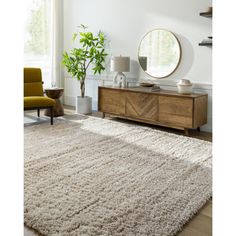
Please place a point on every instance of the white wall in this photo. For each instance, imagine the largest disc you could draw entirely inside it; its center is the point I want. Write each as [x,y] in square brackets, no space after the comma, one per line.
[125,22]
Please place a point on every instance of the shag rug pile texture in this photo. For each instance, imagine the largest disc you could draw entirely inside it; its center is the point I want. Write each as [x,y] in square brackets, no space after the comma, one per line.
[100,177]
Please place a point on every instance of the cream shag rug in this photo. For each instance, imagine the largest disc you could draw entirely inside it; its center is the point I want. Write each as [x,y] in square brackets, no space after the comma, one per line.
[100,177]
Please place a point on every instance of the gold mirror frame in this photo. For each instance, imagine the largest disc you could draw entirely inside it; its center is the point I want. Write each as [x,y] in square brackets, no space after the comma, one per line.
[143,59]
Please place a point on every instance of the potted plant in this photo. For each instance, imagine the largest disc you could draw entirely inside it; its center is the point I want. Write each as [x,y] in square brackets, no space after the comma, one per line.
[78,60]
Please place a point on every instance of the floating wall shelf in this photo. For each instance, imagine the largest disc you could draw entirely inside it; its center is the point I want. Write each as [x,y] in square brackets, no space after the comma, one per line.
[206,14]
[205,44]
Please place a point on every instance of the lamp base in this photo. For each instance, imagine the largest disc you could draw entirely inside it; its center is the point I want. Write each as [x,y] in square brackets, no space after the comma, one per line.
[120,80]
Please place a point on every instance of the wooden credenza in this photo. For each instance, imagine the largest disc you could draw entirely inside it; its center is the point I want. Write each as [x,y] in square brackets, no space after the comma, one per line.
[166,108]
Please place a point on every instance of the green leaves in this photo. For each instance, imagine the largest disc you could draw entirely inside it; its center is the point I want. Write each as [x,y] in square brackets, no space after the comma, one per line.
[91,51]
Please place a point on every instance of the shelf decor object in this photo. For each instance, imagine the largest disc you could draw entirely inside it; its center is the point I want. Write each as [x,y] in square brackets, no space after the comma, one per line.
[207,13]
[120,64]
[206,42]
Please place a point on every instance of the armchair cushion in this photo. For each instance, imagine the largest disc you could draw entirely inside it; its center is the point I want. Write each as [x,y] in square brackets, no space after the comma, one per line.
[33,89]
[33,82]
[38,101]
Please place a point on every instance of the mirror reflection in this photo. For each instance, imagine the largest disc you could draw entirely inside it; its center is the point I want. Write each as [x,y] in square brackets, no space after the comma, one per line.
[159,53]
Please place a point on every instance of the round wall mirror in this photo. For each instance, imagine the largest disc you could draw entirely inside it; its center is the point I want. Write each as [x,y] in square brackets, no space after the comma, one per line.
[159,53]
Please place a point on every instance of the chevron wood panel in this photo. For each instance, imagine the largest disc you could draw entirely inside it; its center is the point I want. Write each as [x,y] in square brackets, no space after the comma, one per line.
[142,105]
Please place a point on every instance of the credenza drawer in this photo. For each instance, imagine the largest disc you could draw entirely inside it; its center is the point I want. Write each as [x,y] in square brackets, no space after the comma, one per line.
[176,106]
[174,110]
[175,120]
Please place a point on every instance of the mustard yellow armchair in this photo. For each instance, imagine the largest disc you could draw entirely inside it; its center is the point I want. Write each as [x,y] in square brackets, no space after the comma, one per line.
[33,92]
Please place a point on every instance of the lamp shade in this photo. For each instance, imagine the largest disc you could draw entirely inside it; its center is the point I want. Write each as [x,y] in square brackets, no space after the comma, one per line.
[120,64]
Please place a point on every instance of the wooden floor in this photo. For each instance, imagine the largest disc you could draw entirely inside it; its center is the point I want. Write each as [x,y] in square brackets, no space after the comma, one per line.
[201,223]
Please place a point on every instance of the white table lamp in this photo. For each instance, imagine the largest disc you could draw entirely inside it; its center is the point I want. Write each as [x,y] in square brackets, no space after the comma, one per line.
[120,64]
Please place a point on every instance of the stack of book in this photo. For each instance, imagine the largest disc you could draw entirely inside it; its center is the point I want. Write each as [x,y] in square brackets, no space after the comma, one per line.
[209,40]
[156,88]
[146,84]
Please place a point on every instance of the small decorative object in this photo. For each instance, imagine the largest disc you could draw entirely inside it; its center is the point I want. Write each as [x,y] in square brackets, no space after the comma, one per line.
[209,9]
[209,40]
[156,88]
[146,83]
[120,64]
[78,60]
[184,86]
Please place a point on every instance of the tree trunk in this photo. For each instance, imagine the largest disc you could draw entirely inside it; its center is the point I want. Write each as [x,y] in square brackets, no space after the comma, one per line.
[82,87]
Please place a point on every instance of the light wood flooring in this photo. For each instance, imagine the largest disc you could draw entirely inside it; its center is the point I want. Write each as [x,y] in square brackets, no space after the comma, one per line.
[201,223]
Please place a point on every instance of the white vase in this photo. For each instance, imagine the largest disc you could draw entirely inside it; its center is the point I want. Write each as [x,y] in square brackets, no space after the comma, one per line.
[83,105]
[185,89]
[184,86]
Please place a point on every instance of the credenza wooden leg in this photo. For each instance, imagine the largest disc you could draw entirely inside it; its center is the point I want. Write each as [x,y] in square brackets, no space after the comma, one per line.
[103,114]
[186,131]
[198,129]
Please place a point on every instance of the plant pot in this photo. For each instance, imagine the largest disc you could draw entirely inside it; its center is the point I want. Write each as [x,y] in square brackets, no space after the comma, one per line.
[84,105]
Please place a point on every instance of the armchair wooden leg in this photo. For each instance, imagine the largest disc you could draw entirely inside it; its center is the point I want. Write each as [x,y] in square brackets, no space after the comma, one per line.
[51,115]
[38,112]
